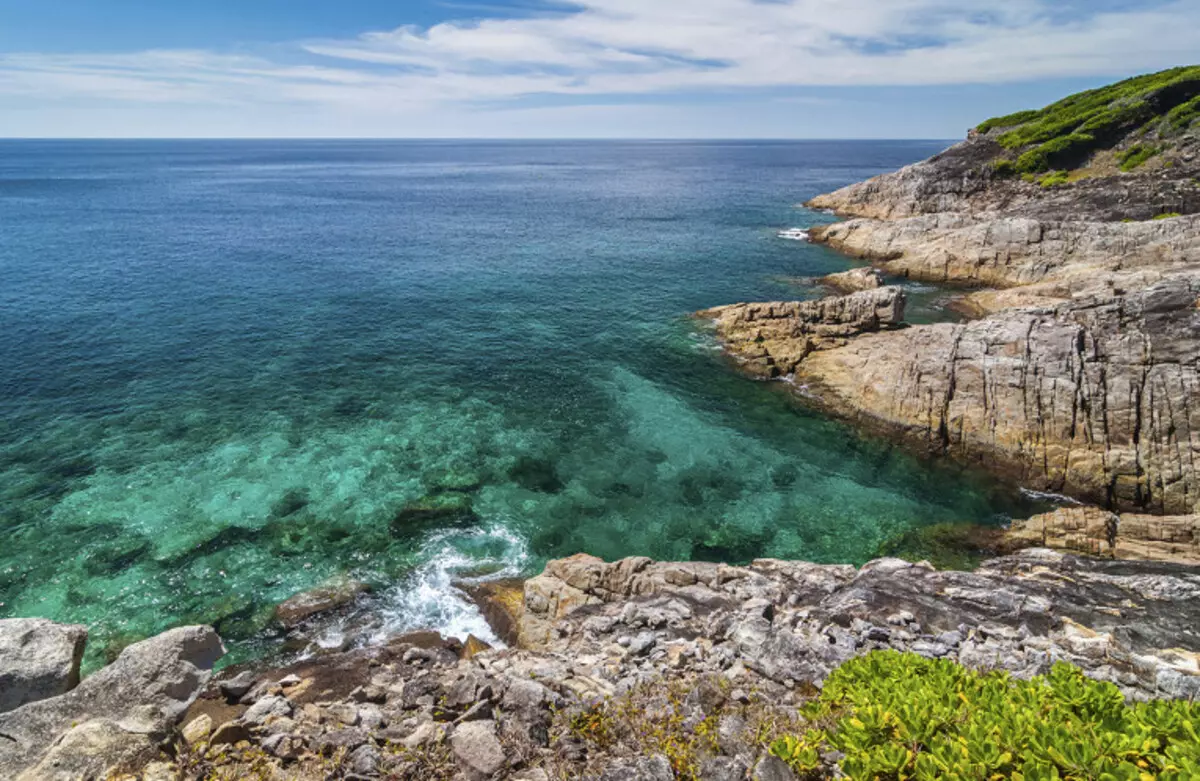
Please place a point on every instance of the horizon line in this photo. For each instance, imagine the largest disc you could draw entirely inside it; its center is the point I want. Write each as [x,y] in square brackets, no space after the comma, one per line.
[668,139]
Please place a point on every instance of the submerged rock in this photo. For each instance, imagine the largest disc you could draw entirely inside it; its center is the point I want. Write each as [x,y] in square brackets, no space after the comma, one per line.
[332,595]
[38,659]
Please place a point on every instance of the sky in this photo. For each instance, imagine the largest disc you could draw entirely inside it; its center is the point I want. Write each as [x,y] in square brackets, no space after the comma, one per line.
[583,69]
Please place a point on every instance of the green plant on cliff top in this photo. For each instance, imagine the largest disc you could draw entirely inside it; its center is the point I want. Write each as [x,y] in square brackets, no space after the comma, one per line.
[900,716]
[1135,155]
[1065,133]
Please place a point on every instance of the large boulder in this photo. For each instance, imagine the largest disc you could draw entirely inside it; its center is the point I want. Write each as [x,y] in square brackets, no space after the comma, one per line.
[38,659]
[112,716]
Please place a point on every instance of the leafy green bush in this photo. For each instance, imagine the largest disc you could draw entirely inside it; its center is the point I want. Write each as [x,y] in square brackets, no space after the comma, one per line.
[1011,120]
[1055,179]
[1135,155]
[1004,167]
[1063,134]
[1182,116]
[899,716]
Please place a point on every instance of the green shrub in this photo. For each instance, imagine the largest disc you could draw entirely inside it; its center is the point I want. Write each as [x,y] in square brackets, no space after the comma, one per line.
[1166,215]
[1003,167]
[1055,179]
[1135,155]
[1011,120]
[1183,115]
[899,716]
[1063,134]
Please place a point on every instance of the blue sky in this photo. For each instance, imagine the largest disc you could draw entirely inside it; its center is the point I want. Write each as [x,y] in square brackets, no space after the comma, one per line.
[591,68]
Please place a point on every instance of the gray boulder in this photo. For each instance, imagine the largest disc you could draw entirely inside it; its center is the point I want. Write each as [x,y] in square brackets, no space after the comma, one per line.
[135,700]
[38,659]
[477,749]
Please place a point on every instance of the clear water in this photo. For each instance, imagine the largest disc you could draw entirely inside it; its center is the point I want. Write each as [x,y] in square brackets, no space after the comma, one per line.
[232,370]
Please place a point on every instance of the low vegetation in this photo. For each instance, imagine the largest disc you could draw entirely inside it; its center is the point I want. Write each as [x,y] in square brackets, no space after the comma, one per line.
[1064,134]
[893,716]
[1135,155]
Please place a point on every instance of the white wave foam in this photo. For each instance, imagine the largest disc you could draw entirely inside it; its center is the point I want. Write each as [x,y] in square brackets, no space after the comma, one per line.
[427,598]
[1045,496]
[793,234]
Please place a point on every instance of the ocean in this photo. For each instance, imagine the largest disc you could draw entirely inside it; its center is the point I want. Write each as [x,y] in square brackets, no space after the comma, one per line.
[231,371]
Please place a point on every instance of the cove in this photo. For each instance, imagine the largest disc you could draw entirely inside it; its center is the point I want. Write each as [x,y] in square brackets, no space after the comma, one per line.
[230,371]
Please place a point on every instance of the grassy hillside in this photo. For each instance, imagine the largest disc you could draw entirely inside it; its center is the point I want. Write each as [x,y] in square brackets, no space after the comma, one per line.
[1140,117]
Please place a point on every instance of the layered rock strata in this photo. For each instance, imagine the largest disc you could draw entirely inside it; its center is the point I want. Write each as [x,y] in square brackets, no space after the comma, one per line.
[772,339]
[1097,532]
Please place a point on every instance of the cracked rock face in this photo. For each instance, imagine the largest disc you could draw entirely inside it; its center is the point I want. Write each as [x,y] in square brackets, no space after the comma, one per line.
[1134,624]
[772,339]
[40,659]
[114,719]
[1097,398]
[1080,374]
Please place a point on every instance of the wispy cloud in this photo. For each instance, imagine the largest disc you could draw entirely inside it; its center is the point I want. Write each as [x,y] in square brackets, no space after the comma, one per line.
[597,49]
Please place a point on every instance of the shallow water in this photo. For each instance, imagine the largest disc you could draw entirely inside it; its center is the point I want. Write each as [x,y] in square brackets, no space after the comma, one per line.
[232,370]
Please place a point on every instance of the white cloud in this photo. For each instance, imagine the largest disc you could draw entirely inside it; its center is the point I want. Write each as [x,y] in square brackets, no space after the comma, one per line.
[606,48]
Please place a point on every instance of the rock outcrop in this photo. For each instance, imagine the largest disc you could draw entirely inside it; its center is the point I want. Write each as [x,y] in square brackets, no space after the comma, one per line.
[1098,398]
[1096,532]
[630,669]
[1081,373]
[793,622]
[773,339]
[38,659]
[115,719]
[854,280]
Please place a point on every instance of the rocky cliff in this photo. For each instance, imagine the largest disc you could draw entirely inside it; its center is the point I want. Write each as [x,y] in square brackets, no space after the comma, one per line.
[628,670]
[1080,373]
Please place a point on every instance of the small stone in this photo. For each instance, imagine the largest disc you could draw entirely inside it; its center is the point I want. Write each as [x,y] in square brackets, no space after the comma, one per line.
[289,680]
[369,693]
[348,739]
[284,746]
[267,706]
[238,686]
[371,717]
[477,748]
[950,638]
[722,769]
[901,618]
[772,769]
[198,729]
[230,733]
[642,643]
[426,733]
[343,712]
[365,760]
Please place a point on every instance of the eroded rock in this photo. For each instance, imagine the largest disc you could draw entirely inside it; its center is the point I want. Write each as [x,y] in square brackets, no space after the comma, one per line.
[38,659]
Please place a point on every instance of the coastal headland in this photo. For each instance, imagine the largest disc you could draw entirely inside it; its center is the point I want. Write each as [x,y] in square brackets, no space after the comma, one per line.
[1074,232]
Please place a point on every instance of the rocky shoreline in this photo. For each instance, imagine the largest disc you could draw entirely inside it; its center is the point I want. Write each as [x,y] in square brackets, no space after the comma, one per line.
[1078,370]
[1078,374]
[704,664]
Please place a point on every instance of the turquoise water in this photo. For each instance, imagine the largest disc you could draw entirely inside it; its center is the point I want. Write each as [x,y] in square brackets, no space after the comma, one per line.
[233,370]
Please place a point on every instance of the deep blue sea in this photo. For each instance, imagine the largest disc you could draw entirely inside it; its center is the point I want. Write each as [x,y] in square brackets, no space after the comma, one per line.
[230,371]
